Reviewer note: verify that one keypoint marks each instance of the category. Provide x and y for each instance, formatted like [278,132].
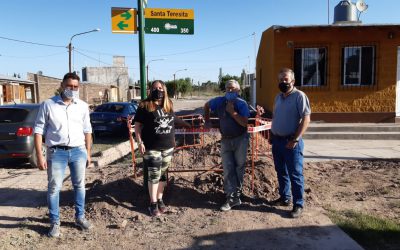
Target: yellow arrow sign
[123,20]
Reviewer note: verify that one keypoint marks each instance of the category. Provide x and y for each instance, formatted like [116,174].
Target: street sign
[123,20]
[169,21]
[169,26]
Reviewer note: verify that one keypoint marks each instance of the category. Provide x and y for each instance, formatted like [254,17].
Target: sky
[226,35]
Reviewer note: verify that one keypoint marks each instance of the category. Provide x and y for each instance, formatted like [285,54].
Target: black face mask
[284,87]
[157,94]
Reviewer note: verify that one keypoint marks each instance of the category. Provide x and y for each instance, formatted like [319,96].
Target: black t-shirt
[158,132]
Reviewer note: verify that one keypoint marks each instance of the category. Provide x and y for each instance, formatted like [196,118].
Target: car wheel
[33,160]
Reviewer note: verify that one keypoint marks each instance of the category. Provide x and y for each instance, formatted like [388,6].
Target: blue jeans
[289,168]
[234,155]
[57,161]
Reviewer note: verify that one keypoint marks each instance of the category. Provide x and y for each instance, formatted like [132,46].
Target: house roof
[339,25]
[10,79]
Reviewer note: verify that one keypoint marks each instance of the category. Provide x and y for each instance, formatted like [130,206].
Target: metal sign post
[142,57]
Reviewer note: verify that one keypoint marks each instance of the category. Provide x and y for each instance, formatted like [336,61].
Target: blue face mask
[231,95]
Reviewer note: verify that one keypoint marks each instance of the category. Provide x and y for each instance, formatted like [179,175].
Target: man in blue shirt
[290,120]
[64,121]
[233,113]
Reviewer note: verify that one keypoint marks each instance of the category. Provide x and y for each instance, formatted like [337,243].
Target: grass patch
[369,231]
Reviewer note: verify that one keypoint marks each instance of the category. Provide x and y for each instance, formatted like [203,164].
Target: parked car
[112,117]
[16,134]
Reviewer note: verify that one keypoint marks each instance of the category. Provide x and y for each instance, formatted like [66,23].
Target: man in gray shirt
[291,117]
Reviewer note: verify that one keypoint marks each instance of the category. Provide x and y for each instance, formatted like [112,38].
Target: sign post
[142,57]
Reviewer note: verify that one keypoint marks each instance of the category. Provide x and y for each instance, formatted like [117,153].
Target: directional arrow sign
[123,20]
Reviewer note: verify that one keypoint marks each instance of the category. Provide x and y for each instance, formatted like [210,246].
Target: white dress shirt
[61,124]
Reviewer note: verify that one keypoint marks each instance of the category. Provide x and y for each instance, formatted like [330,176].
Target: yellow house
[351,73]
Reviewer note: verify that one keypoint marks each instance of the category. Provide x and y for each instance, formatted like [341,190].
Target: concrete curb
[112,154]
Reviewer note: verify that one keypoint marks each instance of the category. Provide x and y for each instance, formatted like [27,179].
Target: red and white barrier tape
[192,131]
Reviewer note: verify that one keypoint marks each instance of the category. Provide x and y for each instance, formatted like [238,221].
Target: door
[398,84]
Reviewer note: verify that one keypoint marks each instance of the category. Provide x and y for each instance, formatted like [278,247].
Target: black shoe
[230,203]
[296,212]
[153,209]
[161,206]
[281,202]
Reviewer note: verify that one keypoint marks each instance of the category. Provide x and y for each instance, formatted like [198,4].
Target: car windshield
[12,115]
[114,108]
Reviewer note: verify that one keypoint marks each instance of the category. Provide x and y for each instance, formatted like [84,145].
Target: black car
[112,117]
[16,134]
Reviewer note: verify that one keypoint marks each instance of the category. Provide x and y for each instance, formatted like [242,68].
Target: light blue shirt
[61,124]
[288,112]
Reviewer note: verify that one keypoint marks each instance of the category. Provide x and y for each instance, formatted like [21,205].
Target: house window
[310,66]
[358,65]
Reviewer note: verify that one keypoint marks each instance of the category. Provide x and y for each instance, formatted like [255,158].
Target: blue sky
[222,34]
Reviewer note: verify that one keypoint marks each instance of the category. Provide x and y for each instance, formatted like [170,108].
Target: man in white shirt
[64,122]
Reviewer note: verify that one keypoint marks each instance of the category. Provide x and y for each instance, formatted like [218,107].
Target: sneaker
[54,231]
[281,202]
[153,209]
[161,206]
[230,203]
[296,212]
[83,223]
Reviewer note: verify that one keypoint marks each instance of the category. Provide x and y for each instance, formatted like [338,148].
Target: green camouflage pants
[157,162]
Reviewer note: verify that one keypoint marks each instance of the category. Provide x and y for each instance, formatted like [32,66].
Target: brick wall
[47,86]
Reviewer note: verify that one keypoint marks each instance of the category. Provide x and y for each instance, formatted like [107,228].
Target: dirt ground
[117,206]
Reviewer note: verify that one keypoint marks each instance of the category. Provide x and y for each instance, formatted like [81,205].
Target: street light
[175,81]
[147,67]
[70,45]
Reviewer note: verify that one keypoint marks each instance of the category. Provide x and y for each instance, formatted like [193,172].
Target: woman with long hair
[155,135]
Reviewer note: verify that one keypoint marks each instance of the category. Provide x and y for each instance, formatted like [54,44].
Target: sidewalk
[324,150]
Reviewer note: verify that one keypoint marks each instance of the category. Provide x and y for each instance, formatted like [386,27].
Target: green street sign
[169,26]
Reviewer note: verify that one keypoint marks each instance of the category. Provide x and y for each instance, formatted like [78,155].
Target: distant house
[114,77]
[16,90]
[351,73]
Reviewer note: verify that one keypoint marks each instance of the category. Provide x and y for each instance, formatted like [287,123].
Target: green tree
[225,78]
[184,85]
[170,88]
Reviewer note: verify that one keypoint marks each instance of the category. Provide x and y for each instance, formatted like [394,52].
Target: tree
[184,85]
[225,78]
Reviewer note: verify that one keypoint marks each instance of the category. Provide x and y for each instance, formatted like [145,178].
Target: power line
[210,47]
[178,53]
[97,60]
[41,44]
[33,57]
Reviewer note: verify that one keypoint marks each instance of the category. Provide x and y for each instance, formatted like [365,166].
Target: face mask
[231,96]
[75,94]
[157,94]
[70,94]
[284,87]
[67,93]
